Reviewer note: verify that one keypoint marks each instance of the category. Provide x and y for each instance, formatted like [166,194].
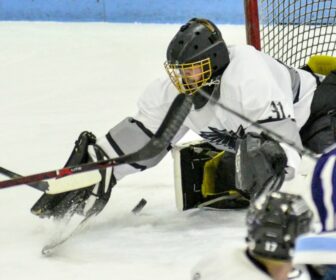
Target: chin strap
[211,90]
[215,81]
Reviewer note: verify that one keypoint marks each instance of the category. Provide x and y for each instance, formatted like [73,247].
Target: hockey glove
[260,165]
[86,201]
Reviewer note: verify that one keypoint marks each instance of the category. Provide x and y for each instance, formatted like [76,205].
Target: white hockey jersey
[232,262]
[254,84]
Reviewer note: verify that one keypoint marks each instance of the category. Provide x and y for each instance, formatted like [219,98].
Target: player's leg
[319,132]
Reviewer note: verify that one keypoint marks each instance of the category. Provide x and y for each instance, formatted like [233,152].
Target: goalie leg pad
[200,177]
[209,175]
[189,160]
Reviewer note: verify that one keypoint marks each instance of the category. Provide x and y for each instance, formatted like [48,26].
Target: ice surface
[56,80]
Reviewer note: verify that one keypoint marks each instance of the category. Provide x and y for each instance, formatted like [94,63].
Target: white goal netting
[293,30]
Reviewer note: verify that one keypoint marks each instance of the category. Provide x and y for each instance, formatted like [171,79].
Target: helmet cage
[188,78]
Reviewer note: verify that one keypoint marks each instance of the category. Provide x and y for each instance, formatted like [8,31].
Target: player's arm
[133,133]
[126,137]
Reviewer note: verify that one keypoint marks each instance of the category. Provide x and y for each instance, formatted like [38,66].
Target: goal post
[292,30]
[252,23]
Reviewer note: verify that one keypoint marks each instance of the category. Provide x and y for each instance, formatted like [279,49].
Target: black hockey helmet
[195,55]
[274,222]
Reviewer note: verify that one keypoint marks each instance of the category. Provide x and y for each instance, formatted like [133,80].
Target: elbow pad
[127,137]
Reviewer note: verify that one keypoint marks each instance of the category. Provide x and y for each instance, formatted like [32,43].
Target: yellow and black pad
[205,177]
[322,64]
[208,187]
[218,187]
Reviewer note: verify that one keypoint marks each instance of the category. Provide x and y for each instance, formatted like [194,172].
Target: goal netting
[293,30]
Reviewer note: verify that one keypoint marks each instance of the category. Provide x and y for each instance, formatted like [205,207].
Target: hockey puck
[141,204]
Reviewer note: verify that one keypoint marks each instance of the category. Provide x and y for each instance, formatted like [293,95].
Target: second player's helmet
[274,222]
[195,55]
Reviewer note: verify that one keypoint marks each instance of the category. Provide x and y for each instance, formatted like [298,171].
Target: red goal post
[292,30]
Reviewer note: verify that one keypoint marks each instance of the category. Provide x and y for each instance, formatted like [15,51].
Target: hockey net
[292,30]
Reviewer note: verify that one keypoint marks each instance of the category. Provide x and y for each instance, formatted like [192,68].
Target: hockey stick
[172,122]
[59,185]
[276,136]
[13,175]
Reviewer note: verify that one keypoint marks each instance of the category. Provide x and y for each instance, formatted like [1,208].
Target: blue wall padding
[58,10]
[178,11]
[146,11]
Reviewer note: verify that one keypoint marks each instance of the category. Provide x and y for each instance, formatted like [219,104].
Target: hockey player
[319,249]
[199,63]
[273,223]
